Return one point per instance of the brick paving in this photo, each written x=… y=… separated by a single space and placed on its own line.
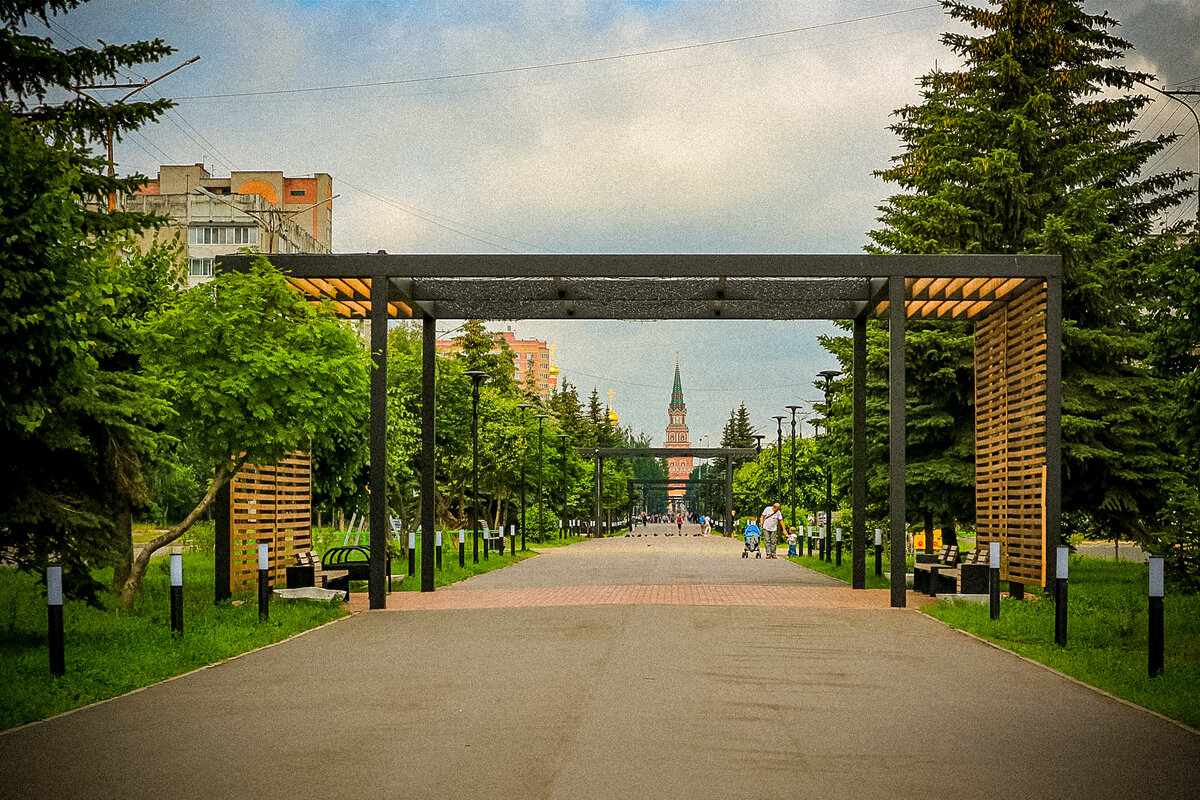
x=646 y=570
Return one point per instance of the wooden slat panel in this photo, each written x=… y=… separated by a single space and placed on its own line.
x=1010 y=432
x=272 y=503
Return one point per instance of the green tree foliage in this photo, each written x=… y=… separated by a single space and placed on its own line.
x=1027 y=149
x=253 y=371
x=1175 y=355
x=78 y=419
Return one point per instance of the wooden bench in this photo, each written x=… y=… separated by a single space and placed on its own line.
x=305 y=572
x=969 y=577
x=927 y=576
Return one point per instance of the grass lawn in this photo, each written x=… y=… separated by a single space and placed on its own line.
x=1106 y=635
x=843 y=572
x=108 y=654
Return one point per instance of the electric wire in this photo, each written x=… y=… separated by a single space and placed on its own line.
x=558 y=64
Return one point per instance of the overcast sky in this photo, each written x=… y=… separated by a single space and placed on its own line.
x=652 y=144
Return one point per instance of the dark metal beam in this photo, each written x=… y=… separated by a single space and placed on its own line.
x=672 y=265
x=858 y=479
x=896 y=442
x=380 y=524
x=500 y=309
x=666 y=452
x=428 y=455
x=1053 y=487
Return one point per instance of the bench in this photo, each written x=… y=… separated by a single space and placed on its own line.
x=927 y=575
x=969 y=577
x=306 y=571
x=344 y=564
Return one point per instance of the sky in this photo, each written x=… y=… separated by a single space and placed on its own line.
x=575 y=127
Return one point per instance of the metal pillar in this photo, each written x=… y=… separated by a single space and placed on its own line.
x=1053 y=488
x=858 y=480
x=729 y=495
x=428 y=460
x=380 y=524
x=224 y=545
x=598 y=463
x=896 y=434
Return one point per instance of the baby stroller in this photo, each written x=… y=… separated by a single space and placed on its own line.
x=753 y=535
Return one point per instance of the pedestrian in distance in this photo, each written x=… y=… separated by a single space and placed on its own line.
x=771 y=521
x=679 y=523
x=792 y=539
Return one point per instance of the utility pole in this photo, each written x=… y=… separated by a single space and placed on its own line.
x=1175 y=94
x=136 y=87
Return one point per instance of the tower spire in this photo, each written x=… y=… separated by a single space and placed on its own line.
x=677 y=389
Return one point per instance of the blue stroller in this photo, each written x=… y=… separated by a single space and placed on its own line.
x=753 y=535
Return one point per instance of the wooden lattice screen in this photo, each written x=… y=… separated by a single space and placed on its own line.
x=272 y=503
x=1010 y=435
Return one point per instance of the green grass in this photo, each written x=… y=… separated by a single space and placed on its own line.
x=1106 y=635
x=843 y=573
x=108 y=654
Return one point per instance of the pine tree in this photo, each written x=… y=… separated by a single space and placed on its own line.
x=1028 y=149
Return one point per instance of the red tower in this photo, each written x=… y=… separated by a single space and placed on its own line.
x=678 y=468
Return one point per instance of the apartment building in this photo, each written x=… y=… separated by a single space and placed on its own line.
x=529 y=355
x=261 y=210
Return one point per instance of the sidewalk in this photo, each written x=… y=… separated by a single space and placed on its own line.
x=615 y=700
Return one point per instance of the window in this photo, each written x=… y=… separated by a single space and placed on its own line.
x=200 y=267
x=213 y=235
x=296 y=193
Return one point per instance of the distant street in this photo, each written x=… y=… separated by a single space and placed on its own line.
x=653 y=667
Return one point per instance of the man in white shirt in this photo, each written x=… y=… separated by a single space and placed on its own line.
x=771 y=521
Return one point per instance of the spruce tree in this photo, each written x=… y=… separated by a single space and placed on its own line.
x=1028 y=149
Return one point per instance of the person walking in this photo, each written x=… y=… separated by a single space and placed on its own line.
x=771 y=520
x=679 y=523
x=792 y=544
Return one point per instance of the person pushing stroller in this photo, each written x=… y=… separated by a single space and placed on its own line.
x=753 y=535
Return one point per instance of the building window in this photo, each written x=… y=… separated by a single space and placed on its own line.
x=297 y=193
x=223 y=235
x=200 y=267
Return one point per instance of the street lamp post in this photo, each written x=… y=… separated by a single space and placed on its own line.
x=524 y=452
x=828 y=375
x=477 y=377
x=792 y=477
x=562 y=530
x=779 y=457
x=541 y=470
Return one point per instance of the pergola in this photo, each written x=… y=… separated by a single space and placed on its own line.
x=1015 y=303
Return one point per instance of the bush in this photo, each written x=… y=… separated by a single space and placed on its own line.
x=541 y=523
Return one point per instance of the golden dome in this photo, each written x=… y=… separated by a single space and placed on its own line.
x=612 y=417
x=553 y=370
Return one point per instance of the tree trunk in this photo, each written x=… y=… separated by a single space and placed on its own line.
x=223 y=475
x=123 y=560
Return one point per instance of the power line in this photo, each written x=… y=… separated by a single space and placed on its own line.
x=557 y=64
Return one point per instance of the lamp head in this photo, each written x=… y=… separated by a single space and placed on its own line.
x=779 y=418
x=525 y=406
x=793 y=409
x=541 y=416
x=477 y=376
x=829 y=374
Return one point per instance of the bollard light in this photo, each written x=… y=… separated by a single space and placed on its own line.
x=1156 y=616
x=54 y=607
x=438 y=548
x=839 y=547
x=264 y=583
x=879 y=551
x=1060 y=597
x=412 y=553
x=177 y=592
x=994 y=579
x=462 y=548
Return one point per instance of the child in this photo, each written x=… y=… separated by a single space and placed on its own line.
x=791 y=544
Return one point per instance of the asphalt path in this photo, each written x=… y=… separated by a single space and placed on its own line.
x=628 y=700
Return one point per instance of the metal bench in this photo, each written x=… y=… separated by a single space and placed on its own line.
x=340 y=565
